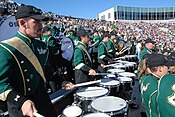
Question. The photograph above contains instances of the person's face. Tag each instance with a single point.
(33, 28)
(106, 39)
(113, 37)
(164, 70)
(49, 32)
(87, 39)
(151, 45)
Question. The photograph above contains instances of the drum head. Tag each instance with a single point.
(127, 74)
(116, 70)
(67, 48)
(109, 82)
(72, 111)
(112, 104)
(89, 92)
(119, 66)
(96, 115)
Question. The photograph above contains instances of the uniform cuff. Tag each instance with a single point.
(86, 68)
(15, 99)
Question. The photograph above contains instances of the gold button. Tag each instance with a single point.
(22, 61)
(25, 70)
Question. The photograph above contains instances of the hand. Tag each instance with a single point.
(92, 72)
(67, 85)
(91, 46)
(110, 61)
(28, 108)
(102, 65)
(117, 53)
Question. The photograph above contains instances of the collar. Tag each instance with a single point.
(149, 49)
(83, 44)
(23, 37)
(157, 76)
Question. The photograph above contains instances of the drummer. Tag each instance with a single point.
(82, 60)
(54, 51)
(103, 55)
(111, 45)
(149, 45)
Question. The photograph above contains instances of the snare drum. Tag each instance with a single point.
(72, 111)
(127, 74)
(130, 67)
(85, 95)
(111, 84)
(130, 75)
(96, 115)
(113, 106)
(126, 83)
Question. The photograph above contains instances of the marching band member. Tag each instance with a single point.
(82, 60)
(157, 64)
(22, 80)
(149, 45)
(103, 57)
(96, 40)
(111, 45)
(54, 50)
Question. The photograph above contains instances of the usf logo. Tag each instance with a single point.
(144, 87)
(41, 50)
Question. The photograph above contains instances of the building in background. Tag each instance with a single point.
(137, 13)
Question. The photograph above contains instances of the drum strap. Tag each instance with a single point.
(24, 49)
(84, 49)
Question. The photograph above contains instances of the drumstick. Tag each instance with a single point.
(110, 65)
(37, 114)
(87, 83)
(124, 50)
(116, 58)
(103, 73)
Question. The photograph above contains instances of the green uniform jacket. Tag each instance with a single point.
(82, 62)
(97, 40)
(74, 38)
(23, 82)
(166, 96)
(51, 43)
(144, 52)
(103, 57)
(148, 87)
(111, 48)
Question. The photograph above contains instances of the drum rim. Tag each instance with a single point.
(120, 70)
(122, 110)
(91, 98)
(109, 86)
(122, 74)
(87, 115)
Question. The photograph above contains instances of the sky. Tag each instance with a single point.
(90, 8)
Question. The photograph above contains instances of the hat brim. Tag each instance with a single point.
(40, 17)
(170, 63)
(151, 42)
